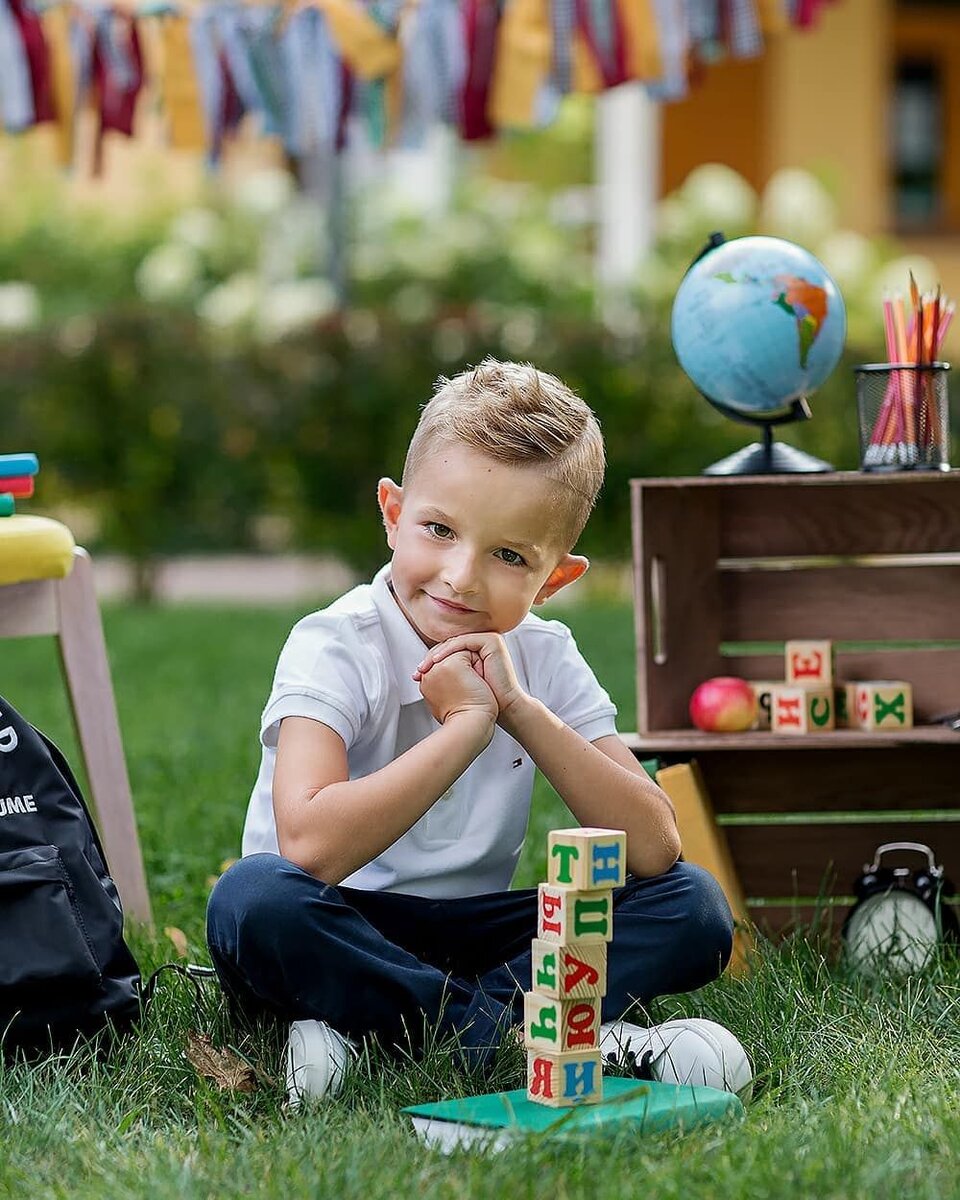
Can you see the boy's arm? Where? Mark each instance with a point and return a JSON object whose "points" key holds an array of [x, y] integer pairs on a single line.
{"points": [[600, 782], [332, 825]]}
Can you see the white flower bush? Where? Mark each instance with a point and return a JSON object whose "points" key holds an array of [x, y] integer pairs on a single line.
{"points": [[290, 308], [19, 307], [720, 197], [795, 205], [231, 306], [200, 228], [264, 194], [169, 273]]}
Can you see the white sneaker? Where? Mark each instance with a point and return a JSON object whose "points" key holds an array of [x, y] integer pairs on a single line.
{"points": [[690, 1050], [317, 1058]]}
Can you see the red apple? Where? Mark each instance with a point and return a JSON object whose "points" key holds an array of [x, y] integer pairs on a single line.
{"points": [[724, 704]]}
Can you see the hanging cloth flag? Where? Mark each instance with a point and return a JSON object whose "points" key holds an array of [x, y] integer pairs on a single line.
{"points": [[176, 78], [521, 92], [16, 92], [773, 17], [117, 75], [434, 68], [254, 60], [366, 47], [641, 40], [316, 82], [743, 28], [38, 60], [222, 106], [599, 48], [674, 48], [481, 19], [56, 30]]}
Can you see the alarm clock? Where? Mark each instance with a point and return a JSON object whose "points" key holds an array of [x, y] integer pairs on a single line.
{"points": [[899, 916]]}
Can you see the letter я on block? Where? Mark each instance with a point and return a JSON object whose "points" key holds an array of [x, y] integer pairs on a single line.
{"points": [[561, 1027]]}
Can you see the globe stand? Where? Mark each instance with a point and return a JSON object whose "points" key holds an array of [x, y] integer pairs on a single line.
{"points": [[767, 457]]}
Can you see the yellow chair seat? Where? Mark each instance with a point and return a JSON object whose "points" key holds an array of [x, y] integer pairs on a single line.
{"points": [[34, 548]]}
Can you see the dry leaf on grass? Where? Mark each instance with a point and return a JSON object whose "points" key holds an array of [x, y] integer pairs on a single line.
{"points": [[179, 939], [229, 1072]]}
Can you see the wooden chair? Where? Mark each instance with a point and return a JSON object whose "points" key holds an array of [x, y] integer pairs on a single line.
{"points": [[725, 571], [46, 587]]}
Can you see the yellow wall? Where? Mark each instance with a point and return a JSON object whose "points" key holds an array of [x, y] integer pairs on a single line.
{"points": [[826, 91]]}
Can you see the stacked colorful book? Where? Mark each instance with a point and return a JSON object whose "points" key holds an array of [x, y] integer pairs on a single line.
{"points": [[17, 473]]}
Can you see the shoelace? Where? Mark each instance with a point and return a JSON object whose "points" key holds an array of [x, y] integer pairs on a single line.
{"points": [[638, 1068]]}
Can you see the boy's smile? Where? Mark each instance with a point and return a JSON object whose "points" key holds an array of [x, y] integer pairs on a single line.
{"points": [[476, 543]]}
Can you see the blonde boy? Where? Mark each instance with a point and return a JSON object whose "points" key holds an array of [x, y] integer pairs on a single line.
{"points": [[399, 746]]}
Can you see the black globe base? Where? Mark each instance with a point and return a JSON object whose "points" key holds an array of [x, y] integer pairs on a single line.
{"points": [[768, 458]]}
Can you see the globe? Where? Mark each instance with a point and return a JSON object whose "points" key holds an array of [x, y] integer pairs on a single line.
{"points": [[757, 325]]}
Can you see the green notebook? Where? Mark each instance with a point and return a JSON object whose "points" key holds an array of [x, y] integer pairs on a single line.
{"points": [[499, 1118]]}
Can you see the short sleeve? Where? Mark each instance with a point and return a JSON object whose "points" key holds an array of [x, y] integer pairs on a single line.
{"points": [[572, 690], [325, 672]]}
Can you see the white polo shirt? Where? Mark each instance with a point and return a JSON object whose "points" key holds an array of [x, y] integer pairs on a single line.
{"points": [[350, 666]]}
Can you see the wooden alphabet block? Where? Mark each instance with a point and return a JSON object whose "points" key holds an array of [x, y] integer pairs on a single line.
{"points": [[763, 690], [572, 915], [560, 1025], [802, 709], [569, 972], [883, 704], [844, 703], [809, 662], [588, 859], [563, 1080]]}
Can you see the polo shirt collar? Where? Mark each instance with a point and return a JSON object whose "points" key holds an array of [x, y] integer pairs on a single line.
{"points": [[405, 648]]}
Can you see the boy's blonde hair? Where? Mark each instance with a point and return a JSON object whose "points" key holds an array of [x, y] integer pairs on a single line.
{"points": [[519, 415]]}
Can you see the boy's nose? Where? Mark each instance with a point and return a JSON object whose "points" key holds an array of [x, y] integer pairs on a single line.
{"points": [[460, 573]]}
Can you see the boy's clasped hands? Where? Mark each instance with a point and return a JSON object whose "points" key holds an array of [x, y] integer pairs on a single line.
{"points": [[471, 671]]}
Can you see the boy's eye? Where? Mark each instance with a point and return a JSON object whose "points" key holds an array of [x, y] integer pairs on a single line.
{"points": [[441, 531]]}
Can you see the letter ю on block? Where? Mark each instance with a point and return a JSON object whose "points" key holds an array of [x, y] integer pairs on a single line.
{"points": [[588, 859], [809, 662], [562, 1080], [569, 972], [560, 1025], [802, 709], [569, 915]]}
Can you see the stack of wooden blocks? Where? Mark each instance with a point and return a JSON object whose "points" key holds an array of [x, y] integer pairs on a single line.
{"points": [[810, 700], [561, 1026]]}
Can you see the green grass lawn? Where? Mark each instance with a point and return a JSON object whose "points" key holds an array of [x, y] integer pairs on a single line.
{"points": [[858, 1089]]}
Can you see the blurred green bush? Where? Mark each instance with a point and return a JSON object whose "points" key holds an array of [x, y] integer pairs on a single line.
{"points": [[191, 383]]}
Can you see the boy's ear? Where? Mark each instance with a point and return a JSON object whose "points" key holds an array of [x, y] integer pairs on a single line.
{"points": [[569, 568], [390, 499]]}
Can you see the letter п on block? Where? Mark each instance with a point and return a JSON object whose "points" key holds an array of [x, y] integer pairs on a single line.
{"points": [[882, 704], [560, 1025], [569, 915], [809, 662], [802, 709], [588, 859], [563, 1080], [569, 972]]}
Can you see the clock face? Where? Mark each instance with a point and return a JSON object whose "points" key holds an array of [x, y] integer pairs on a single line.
{"points": [[895, 930]]}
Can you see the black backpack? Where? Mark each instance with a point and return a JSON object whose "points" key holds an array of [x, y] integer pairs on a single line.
{"points": [[65, 970]]}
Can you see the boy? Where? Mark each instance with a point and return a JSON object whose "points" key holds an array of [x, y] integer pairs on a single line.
{"points": [[399, 745]]}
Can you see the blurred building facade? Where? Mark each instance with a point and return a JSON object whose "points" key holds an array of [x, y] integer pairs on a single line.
{"points": [[869, 100]]}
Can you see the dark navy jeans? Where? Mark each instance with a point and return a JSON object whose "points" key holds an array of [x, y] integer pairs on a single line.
{"points": [[382, 963]]}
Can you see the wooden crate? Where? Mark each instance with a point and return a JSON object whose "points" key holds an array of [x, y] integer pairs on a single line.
{"points": [[865, 560]]}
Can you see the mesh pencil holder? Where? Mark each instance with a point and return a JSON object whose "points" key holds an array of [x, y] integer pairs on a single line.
{"points": [[904, 416]]}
